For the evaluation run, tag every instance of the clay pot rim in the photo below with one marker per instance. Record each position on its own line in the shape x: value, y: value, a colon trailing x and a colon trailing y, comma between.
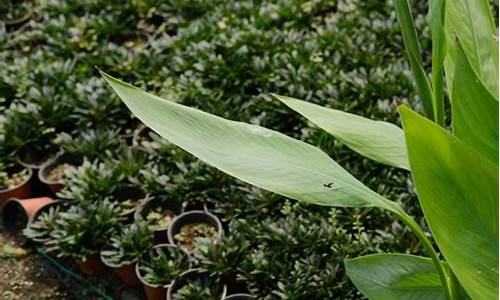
x: 28, y: 178
x: 234, y: 296
x: 138, y: 273
x: 37, y: 213
x: 179, y: 218
x: 42, y: 169
x: 198, y: 271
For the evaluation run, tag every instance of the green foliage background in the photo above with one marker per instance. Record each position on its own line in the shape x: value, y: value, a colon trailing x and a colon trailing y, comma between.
x: 222, y: 57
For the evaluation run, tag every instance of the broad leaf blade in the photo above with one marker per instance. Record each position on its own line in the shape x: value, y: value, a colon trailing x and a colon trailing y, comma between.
x: 381, y: 141
x: 474, y: 110
x: 412, y: 46
x: 257, y: 155
x: 472, y: 23
x: 458, y: 192
x: 395, y: 277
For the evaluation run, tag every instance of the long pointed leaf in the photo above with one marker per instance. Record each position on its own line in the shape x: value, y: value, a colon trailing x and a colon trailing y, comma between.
x: 381, y: 141
x: 395, y: 277
x: 436, y: 20
x: 474, y: 110
x: 257, y: 155
x: 412, y: 46
x: 458, y: 192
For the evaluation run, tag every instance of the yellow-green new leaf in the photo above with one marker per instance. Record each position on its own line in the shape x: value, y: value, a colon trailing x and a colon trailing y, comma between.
x: 395, y: 277
x: 458, y: 192
x: 474, y: 110
x: 254, y: 154
x: 381, y: 141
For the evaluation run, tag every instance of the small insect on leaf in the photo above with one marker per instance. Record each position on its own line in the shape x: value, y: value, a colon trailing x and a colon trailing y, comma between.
x: 328, y: 185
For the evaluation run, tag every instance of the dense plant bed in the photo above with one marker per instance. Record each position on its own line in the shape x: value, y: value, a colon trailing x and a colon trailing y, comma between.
x: 222, y: 57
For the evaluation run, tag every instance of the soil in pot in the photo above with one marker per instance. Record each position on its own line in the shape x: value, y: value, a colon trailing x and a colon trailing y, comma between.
x: 128, y: 199
x: 159, y: 218
x: 188, y: 236
x: 195, y: 285
x: 57, y: 174
x: 15, y: 182
x: 187, y: 229
x: 53, y: 172
x: 158, y: 214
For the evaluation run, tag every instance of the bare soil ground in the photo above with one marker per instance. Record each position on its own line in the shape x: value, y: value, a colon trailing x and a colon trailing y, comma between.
x: 26, y: 274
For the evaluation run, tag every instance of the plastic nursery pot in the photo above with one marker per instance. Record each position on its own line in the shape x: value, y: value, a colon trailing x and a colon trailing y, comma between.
x: 92, y: 266
x: 34, y: 159
x: 154, y: 204
x: 16, y: 213
x: 21, y: 190
x: 240, y: 297
x: 153, y: 292
x: 129, y: 193
x: 126, y: 271
x: 193, y: 217
x: 184, y: 278
x: 46, y: 169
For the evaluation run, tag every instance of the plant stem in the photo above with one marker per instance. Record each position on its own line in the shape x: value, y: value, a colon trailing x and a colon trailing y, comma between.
x: 440, y: 268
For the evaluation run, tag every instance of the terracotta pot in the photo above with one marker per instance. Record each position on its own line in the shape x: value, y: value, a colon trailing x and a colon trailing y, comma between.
x: 150, y: 204
x: 21, y: 191
x: 153, y: 292
x: 190, y: 217
x: 126, y: 272
x: 93, y: 266
x: 17, y: 213
x: 180, y: 281
x: 61, y: 158
x: 240, y: 297
x: 35, y: 216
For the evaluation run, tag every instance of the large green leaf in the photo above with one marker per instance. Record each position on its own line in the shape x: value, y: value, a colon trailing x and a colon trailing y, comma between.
x: 474, y: 110
x: 412, y: 46
x: 381, y: 141
x: 395, y: 277
x: 471, y: 21
x: 257, y: 155
x: 458, y: 192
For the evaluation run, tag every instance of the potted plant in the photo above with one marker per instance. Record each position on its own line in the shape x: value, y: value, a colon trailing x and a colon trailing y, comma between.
x: 35, y: 157
x: 53, y: 172
x: 188, y: 228
x: 81, y: 232
x: 196, y: 285
x: 14, y: 181
x: 158, y: 212
x: 128, y: 199
x: 158, y: 267
x: 123, y: 250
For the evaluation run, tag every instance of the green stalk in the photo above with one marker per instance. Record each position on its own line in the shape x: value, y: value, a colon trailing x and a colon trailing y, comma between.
x: 436, y: 20
x: 440, y: 267
x: 412, y: 46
